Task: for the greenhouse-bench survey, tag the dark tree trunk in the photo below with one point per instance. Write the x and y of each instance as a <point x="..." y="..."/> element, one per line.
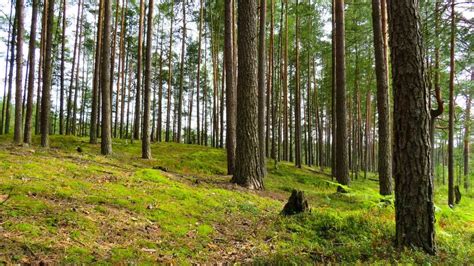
<point x="181" y="81"/>
<point x="342" y="169"/>
<point x="63" y="59"/>
<point x="333" y="91"/>
<point x="231" y="96"/>
<point x="414" y="208"/>
<point x="198" y="77"/>
<point x="17" y="134"/>
<point x="9" y="46"/>
<point x="467" y="135"/>
<point x="248" y="171"/>
<point x="170" y="76"/>
<point x="385" y="151"/>
<point x="286" y="144"/>
<point x="31" y="76"/>
<point x="47" y="72"/>
<point x="96" y="82"/>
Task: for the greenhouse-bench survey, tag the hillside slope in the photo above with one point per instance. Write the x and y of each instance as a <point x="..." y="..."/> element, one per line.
<point x="61" y="205"/>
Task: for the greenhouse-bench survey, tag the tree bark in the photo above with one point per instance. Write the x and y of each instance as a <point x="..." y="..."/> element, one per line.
<point x="248" y="171"/>
<point x="17" y="133"/>
<point x="198" y="76"/>
<point x="106" y="142"/>
<point x="261" y="84"/>
<point x="414" y="208"/>
<point x="297" y="94"/>
<point x="170" y="76"/>
<point x="467" y="135"/>
<point x="47" y="71"/>
<point x="384" y="147"/>
<point x="342" y="169"/>
<point x="231" y="96"/>
<point x="138" y="101"/>
<point x="96" y="81"/>
<point x="31" y="76"/>
<point x="146" y="149"/>
<point x="451" y="112"/>
<point x="181" y="81"/>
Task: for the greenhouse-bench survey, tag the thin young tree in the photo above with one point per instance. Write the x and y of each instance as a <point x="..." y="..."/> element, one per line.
<point x="63" y="61"/>
<point x="414" y="207"/>
<point x="17" y="133"/>
<point x="231" y="96"/>
<point x="31" y="76"/>
<point x="146" y="149"/>
<point x="342" y="167"/>
<point x="248" y="172"/>
<point x="384" y="151"/>
<point x="47" y="73"/>
<point x="106" y="135"/>
<point x="170" y="76"/>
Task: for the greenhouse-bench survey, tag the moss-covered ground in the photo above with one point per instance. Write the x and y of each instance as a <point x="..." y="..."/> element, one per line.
<point x="64" y="206"/>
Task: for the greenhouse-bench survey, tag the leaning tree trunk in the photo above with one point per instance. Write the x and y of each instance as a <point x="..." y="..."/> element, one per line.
<point x="248" y="171"/>
<point x="31" y="76"/>
<point x="385" y="151"/>
<point x="414" y="207"/>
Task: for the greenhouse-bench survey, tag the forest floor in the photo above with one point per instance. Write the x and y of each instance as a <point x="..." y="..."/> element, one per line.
<point x="59" y="205"/>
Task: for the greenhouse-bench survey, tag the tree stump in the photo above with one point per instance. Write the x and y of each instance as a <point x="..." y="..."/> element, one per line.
<point x="297" y="203"/>
<point x="457" y="194"/>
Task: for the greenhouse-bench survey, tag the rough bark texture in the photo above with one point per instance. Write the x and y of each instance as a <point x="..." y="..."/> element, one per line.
<point x="342" y="168"/>
<point x="385" y="151"/>
<point x="17" y="133"/>
<point x="247" y="162"/>
<point x="106" y="142"/>
<point x="297" y="203"/>
<point x="47" y="71"/>
<point x="414" y="209"/>
<point x="31" y="76"/>
<point x="146" y="150"/>
<point x="297" y="95"/>
<point x="231" y="95"/>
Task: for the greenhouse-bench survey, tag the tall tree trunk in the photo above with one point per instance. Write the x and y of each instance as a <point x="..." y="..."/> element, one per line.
<point x="231" y="96"/>
<point x="170" y="76"/>
<point x="31" y="76"/>
<point x="138" y="101"/>
<point x="198" y="76"/>
<point x="261" y="84"/>
<point x="7" y="60"/>
<point x="96" y="82"/>
<point x="467" y="135"/>
<point x="297" y="93"/>
<point x="270" y="94"/>
<point x="47" y="71"/>
<point x="286" y="145"/>
<point x="70" y="107"/>
<point x="17" y="134"/>
<point x="181" y="82"/>
<point x="384" y="151"/>
<point x="414" y="208"/>
<point x="76" y="86"/>
<point x="342" y="169"/>
<point x="146" y="150"/>
<point x="333" y="91"/>
<point x="451" y="112"/>
<point x="124" y="67"/>
<point x="160" y="93"/>
<point x="63" y="59"/>
<point x="106" y="142"/>
<point x="248" y="171"/>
